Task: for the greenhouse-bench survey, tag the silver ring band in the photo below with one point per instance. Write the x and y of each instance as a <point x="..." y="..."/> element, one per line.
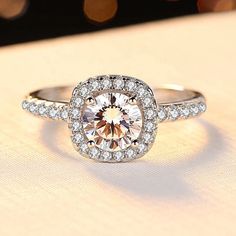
<point x="174" y="102"/>
<point x="114" y="118"/>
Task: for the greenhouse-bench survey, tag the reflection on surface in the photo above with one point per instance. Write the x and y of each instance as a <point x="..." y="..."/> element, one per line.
<point x="179" y="141"/>
<point x="180" y="148"/>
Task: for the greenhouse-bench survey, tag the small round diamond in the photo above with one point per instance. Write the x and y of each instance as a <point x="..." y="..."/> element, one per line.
<point x="76" y="126"/>
<point x="194" y="109"/>
<point x="118" y="156"/>
<point x="64" y="114"/>
<point x="147" y="102"/>
<point x="130" y="153"/>
<point x="53" y="112"/>
<point x="142" y="148"/>
<point x="94" y="84"/>
<point x="84" y="148"/>
<point x="106" y="83"/>
<point x="75" y="113"/>
<point x="130" y="85"/>
<point x="149" y="126"/>
<point x="94" y="153"/>
<point x="141" y="91"/>
<point x="25" y="104"/>
<point x="174" y="114"/>
<point x="185" y="111"/>
<point x="84" y="91"/>
<point x="78" y="101"/>
<point x="202" y="107"/>
<point x="32" y="107"/>
<point x="42" y="110"/>
<point x="150" y="114"/>
<point x="107" y="156"/>
<point x="77" y="138"/>
<point x="118" y="83"/>
<point x="161" y="114"/>
<point x="147" y="138"/>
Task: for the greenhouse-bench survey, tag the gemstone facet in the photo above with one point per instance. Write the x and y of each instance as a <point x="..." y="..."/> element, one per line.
<point x="112" y="122"/>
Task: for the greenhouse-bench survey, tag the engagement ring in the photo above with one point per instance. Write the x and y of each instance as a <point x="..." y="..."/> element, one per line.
<point x="114" y="118"/>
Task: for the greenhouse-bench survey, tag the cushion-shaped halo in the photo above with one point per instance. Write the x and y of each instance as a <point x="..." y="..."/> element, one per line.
<point x="113" y="118"/>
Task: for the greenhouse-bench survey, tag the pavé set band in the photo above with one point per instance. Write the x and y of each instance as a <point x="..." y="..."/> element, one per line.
<point x="114" y="118"/>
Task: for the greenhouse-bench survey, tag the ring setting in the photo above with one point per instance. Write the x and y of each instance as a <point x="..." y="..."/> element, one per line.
<point x="114" y="118"/>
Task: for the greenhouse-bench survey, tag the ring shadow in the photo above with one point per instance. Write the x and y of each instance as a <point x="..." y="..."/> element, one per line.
<point x="144" y="178"/>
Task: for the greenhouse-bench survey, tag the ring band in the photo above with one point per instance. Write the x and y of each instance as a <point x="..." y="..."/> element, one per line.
<point x="170" y="98"/>
<point x="114" y="118"/>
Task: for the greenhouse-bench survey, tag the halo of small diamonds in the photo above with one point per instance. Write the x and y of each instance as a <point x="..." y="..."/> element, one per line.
<point x="129" y="95"/>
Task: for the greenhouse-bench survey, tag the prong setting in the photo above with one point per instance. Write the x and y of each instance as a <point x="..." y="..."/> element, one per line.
<point x="135" y="143"/>
<point x="133" y="101"/>
<point x="91" y="143"/>
<point x="90" y="101"/>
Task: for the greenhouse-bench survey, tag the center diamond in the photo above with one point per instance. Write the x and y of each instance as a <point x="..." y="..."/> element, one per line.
<point x="112" y="122"/>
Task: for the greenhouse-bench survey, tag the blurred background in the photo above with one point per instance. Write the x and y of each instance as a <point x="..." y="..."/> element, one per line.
<point x="29" y="20"/>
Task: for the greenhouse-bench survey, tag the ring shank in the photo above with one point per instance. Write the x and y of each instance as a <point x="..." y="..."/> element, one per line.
<point x="165" y="96"/>
<point x="55" y="94"/>
<point x="174" y="102"/>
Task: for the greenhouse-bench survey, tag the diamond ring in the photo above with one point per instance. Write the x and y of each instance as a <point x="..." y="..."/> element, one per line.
<point x="114" y="118"/>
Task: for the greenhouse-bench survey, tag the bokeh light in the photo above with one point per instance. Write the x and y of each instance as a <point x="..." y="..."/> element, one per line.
<point x="11" y="9"/>
<point x="100" y="11"/>
<point x="216" y="5"/>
